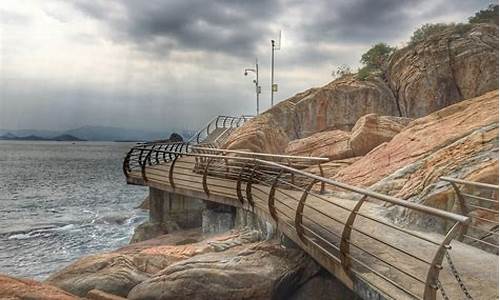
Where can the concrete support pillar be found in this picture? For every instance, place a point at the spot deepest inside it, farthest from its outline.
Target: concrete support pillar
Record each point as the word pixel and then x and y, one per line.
pixel 217 217
pixel 166 207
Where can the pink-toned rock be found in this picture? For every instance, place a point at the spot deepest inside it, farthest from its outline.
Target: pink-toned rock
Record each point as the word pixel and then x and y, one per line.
pixel 332 144
pixel 261 134
pixel 372 130
pixel 475 119
pixel 15 288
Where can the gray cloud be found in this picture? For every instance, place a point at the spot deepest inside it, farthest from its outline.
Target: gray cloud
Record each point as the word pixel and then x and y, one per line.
pixel 230 27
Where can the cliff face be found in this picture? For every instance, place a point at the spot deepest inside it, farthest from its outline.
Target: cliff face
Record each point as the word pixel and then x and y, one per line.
pixel 420 79
pixel 445 69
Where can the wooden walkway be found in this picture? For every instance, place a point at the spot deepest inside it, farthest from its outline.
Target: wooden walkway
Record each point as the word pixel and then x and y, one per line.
pixel 383 256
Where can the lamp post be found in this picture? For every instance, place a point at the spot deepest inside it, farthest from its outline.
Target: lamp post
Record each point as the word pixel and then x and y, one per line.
pixel 274 87
pixel 255 81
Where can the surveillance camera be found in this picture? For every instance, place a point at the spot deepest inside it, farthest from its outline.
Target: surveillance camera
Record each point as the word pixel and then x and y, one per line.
pixel 246 73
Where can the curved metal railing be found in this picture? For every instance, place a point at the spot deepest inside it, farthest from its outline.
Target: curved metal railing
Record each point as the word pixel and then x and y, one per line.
pixel 348 234
pixel 140 155
pixel 479 201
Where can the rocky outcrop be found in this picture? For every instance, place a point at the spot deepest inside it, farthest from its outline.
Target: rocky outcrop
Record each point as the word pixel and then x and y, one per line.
pixel 369 131
pixel 459 141
pixel 422 78
pixel 333 144
pixel 261 134
pixel 14 288
pixel 118 272
pixel 372 130
pixel 338 105
pixel 257 271
pixel 445 69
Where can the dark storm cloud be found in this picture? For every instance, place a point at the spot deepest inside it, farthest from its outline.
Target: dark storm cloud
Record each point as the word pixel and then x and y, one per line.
pixel 369 21
pixel 231 27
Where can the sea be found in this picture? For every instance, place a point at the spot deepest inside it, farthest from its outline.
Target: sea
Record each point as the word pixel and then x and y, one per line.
pixel 60 201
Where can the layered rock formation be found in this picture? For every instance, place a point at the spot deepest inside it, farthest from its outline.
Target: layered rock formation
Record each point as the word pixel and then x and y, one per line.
pixel 368 132
pixel 445 69
pixel 459 141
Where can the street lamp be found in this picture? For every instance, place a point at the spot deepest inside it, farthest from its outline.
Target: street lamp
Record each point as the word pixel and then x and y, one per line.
pixel 255 81
pixel 274 87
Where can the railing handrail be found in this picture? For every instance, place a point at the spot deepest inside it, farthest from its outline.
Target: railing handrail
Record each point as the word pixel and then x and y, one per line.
pixel 467 182
pixel 313 158
pixel 415 206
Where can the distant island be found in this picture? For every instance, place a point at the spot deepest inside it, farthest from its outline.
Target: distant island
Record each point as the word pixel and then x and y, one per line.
pixel 60 138
pixel 91 133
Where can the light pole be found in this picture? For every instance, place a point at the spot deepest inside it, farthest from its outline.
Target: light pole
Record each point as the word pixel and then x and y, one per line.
pixel 274 87
pixel 255 81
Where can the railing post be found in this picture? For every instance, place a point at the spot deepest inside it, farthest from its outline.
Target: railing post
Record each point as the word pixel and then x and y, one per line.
pixel 431 282
pixel 321 173
pixel 238 185
pixel 204 182
pixel 270 201
pixel 126 163
pixel 249 185
pixel 143 165
pixel 300 209
pixel 171 171
pixel 345 248
pixel 463 210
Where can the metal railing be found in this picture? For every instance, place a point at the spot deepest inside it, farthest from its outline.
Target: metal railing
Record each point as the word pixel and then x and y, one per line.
pixel 343 231
pixel 140 155
pixel 479 201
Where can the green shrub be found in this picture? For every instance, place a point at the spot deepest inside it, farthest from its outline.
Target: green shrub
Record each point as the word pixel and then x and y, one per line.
pixel 489 15
pixel 342 70
pixel 377 56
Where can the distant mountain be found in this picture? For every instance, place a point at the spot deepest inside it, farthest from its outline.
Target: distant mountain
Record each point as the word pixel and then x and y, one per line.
pixel 64 137
pixel 92 133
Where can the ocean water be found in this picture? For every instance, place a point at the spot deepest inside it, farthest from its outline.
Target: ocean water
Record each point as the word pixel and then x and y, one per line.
pixel 60 201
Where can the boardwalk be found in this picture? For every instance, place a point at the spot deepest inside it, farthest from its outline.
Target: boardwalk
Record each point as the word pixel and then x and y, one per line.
pixel 391 259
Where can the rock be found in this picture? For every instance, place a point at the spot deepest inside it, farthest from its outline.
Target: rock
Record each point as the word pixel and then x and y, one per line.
pixel 457 141
pixel 257 271
pixel 329 169
pixel 372 130
pixel 149 230
pixel 118 272
pixel 337 105
pixel 445 69
pixel 175 137
pixel 100 295
pixel 15 288
pixel 333 144
pixel 323 286
pixel 261 134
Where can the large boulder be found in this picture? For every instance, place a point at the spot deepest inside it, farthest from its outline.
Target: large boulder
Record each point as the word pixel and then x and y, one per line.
pixel 372 130
pixel 257 271
pixel 261 134
pixel 118 272
pixel 15 288
pixel 444 69
pixel 333 144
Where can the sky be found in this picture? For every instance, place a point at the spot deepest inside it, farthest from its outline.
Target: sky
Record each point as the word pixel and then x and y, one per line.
pixel 175 64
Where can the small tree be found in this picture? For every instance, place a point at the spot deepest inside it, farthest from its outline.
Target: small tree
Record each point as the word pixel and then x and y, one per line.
pixel 377 56
pixel 426 30
pixel 342 71
pixel 489 15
